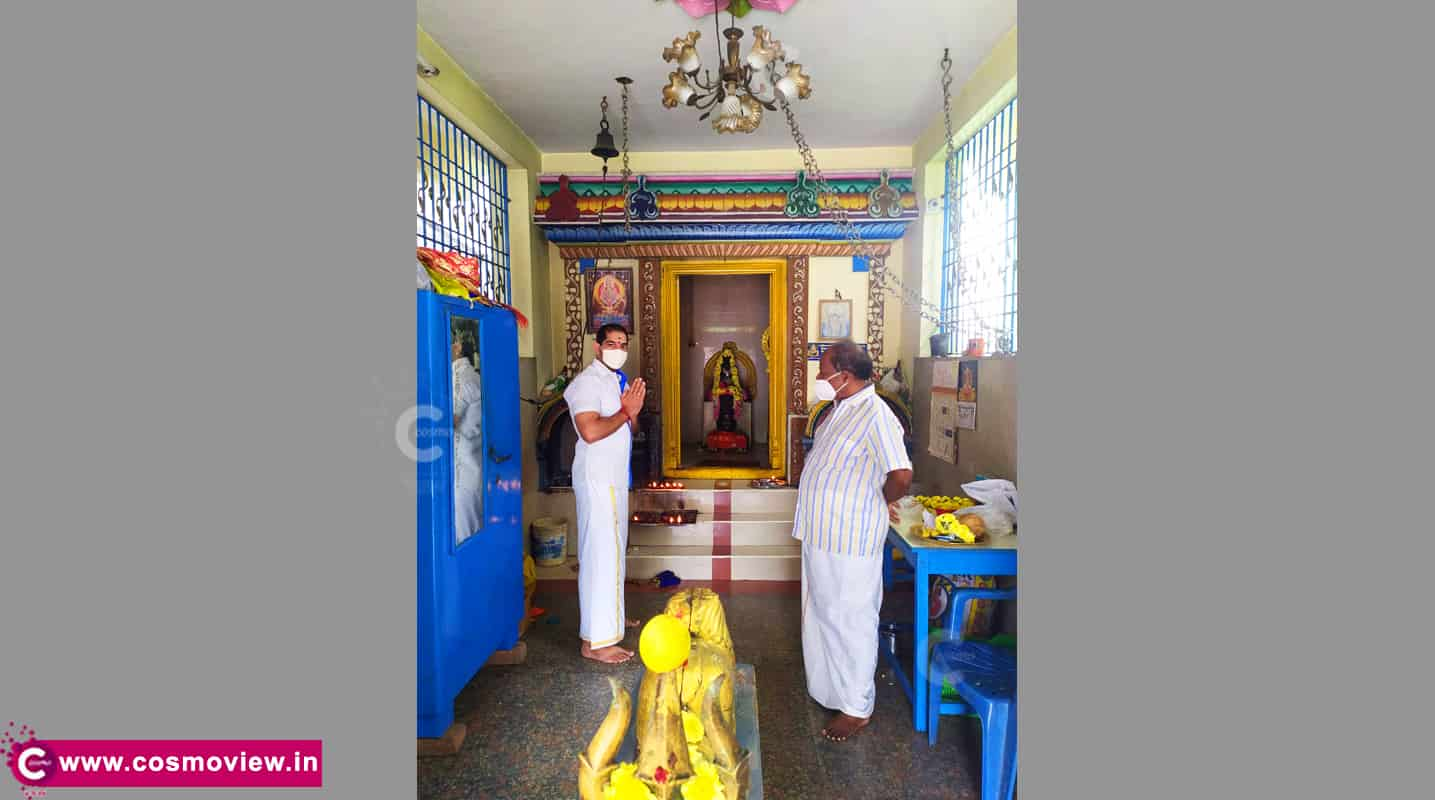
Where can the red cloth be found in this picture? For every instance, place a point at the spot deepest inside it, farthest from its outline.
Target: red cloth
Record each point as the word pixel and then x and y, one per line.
pixel 466 270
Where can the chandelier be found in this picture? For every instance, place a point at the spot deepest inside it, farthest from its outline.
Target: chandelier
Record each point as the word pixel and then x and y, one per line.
pixel 732 99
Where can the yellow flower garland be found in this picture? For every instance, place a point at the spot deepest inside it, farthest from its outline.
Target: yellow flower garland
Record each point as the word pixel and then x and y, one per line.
pixel 705 784
pixel 692 727
pixel 624 785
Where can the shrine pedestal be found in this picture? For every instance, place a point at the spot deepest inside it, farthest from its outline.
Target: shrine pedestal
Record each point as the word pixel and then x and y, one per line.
pixel 726 442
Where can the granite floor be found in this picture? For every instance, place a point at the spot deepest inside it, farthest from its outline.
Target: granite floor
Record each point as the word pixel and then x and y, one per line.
pixel 528 722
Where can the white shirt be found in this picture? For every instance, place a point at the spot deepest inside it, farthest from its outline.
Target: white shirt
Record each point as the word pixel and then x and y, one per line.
pixel 840 506
pixel 468 413
pixel 606 460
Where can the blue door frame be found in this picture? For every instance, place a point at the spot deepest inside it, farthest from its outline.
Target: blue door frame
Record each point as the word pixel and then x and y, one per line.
pixel 470 595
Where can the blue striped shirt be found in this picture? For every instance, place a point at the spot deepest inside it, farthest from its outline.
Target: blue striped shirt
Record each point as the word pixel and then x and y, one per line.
pixel 840 507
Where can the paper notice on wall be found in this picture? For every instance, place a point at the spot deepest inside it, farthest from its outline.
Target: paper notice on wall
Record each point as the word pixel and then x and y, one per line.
pixel 966 416
pixel 944 374
pixel 943 425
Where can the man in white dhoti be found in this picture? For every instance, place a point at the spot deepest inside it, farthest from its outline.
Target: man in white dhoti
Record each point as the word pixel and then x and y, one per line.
pixel 604 416
pixel 467 443
pixel 857 469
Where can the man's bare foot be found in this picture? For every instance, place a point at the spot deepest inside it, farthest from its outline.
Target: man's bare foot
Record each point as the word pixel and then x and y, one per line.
pixel 632 623
pixel 612 654
pixel 843 726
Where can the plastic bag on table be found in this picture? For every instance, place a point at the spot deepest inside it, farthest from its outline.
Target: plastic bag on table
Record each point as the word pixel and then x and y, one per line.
pixel 994 492
pixel 909 517
pixel 997 521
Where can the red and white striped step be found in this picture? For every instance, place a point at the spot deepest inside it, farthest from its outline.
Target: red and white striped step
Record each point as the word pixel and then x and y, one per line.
pixel 742 534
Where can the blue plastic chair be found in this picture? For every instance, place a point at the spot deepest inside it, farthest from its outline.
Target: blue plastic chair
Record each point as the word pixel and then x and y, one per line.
pixel 985 677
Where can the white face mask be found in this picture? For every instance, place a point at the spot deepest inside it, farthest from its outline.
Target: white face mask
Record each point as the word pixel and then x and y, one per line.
pixel 825 390
pixel 615 359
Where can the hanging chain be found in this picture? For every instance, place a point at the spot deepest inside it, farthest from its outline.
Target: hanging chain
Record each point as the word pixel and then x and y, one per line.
pixel 602 195
pixel 911 299
pixel 627 215
pixel 950 171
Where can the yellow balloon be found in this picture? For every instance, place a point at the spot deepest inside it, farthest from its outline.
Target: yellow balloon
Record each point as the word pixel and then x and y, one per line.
pixel 664 643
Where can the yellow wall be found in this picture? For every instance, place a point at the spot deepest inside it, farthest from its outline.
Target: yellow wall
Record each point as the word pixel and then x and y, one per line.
pixel 990 87
pixel 461 99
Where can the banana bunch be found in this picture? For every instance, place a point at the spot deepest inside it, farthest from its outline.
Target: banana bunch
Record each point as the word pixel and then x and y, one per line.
pixel 596 767
pixel 686 728
pixel 943 503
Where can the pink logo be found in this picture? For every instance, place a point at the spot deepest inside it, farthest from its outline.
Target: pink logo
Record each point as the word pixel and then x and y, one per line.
pixel 31 761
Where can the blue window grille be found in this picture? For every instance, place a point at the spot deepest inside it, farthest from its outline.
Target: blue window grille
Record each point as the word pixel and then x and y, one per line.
pixel 979 255
pixel 463 199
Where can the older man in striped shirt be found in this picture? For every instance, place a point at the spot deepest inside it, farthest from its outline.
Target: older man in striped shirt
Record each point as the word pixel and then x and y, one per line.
pixel 857 469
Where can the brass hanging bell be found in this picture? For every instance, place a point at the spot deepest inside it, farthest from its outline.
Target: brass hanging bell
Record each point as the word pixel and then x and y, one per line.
pixel 604 147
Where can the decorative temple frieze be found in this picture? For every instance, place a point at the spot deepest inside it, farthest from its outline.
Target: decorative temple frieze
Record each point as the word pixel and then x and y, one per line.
pixel 712 249
pixel 752 206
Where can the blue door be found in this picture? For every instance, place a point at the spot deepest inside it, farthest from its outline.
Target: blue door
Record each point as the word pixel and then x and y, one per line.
pixel 470 551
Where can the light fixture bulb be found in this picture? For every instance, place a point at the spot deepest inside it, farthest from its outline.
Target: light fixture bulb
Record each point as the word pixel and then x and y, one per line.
pixel 690 62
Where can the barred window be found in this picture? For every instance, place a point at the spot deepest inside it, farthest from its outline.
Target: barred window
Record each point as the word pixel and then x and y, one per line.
pixel 463 199
pixel 979 255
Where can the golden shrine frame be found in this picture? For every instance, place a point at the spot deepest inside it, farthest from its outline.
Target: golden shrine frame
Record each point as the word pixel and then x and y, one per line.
pixel 671 353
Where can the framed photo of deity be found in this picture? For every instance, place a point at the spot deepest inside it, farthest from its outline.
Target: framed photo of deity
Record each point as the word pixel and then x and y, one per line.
pixel 967 395
pixel 610 298
pixel 834 320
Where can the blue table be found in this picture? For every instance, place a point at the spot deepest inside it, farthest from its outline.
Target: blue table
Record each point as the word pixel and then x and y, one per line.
pixel 996 556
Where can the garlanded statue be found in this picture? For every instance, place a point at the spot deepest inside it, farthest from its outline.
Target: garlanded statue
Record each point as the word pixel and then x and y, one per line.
pixel 727 391
pixel 686 729
pixel 727 395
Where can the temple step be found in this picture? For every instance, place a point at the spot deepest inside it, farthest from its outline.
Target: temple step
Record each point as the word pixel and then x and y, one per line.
pixel 741 530
pixel 741 533
pixel 707 500
pixel 695 563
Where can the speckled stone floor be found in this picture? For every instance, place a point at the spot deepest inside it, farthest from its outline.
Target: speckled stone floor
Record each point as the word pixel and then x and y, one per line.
pixel 530 721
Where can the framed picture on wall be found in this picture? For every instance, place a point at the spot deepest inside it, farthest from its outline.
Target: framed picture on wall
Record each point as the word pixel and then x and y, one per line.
pixel 610 298
pixel 834 320
pixel 967 396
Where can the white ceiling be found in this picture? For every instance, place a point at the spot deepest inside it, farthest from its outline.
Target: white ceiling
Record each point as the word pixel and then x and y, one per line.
pixel 875 65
